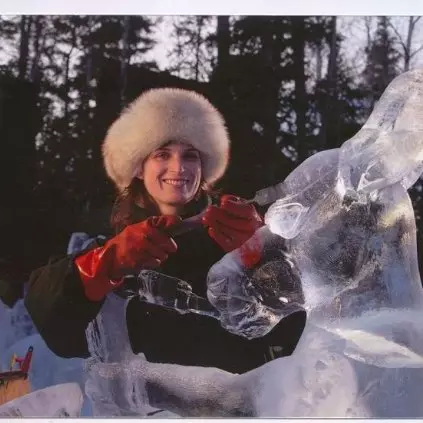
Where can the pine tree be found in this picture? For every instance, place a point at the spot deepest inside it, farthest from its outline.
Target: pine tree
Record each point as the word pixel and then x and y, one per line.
pixel 193 55
pixel 382 61
pixel 336 112
pixel 66 57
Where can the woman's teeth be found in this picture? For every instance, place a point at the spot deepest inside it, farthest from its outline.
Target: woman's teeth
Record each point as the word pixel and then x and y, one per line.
pixel 176 182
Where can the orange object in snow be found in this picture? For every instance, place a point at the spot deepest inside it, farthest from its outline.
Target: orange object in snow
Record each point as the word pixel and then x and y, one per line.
pixel 25 362
pixel 14 383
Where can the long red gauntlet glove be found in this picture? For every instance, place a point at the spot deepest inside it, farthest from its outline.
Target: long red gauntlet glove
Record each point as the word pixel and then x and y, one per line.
pixel 232 224
pixel 142 245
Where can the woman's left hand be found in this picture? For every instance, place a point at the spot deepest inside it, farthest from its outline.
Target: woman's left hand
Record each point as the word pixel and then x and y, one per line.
pixel 232 223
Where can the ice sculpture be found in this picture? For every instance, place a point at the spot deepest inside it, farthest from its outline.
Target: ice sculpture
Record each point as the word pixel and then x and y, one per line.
pixel 112 387
pixel 347 227
pixel 63 400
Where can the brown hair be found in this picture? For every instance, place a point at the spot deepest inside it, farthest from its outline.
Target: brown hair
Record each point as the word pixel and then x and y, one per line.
pixel 123 212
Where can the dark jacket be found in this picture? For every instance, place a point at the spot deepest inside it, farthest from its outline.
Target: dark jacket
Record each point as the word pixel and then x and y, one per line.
pixel 61 312
pixel 11 292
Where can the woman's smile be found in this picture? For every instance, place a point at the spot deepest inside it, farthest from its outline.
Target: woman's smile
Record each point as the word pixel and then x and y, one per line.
pixel 176 182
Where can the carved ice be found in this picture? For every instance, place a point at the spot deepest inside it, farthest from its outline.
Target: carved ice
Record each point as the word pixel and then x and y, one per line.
pixel 346 228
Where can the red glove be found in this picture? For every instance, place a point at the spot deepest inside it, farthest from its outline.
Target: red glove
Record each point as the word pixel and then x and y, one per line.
pixel 141 245
pixel 233 223
pixel 250 252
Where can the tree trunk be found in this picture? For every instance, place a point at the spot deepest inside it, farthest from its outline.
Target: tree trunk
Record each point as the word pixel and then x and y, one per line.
pixel 368 24
pixel 25 27
pixel 333 55
pixel 408 53
pixel 298 38
pixel 67 69
pixel 319 61
pixel 407 44
pixel 124 59
pixel 198 41
pixel 329 111
pixel 221 73
pixel 271 85
pixel 223 42
pixel 34 75
pixel 385 22
pixel 89 66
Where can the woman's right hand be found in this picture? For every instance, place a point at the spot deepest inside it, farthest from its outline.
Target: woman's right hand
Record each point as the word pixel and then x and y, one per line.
pixel 144 245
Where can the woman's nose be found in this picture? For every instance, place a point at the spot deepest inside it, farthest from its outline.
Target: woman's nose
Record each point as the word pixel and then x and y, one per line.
pixel 177 164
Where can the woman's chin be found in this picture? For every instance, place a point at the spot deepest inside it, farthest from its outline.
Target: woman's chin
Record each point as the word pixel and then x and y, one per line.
pixel 179 201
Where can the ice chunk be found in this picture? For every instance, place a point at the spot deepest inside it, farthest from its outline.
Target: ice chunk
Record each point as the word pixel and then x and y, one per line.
pixel 324 378
pixel 63 400
pixel 158 288
pixel 389 147
pixel 252 301
pixel 198 390
pixel 377 350
pixel 111 392
pixel 305 186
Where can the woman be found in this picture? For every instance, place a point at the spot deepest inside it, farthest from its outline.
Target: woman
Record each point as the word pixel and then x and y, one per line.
pixel 163 154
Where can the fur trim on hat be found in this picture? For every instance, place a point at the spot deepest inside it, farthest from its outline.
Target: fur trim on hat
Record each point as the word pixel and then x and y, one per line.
pixel 157 117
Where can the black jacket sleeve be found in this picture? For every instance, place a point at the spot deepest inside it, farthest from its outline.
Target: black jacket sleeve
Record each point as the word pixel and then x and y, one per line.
pixel 11 292
pixel 59 308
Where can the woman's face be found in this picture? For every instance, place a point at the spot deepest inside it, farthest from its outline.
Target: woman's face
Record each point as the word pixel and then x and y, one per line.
pixel 172 176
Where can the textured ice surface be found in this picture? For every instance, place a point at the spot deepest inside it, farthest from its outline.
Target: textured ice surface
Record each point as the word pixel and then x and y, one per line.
pixel 63 400
pixel 112 386
pixel 336 373
pixel 252 301
pixel 157 288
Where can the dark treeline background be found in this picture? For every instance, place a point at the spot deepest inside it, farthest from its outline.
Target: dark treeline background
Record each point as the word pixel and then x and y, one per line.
pixel 284 84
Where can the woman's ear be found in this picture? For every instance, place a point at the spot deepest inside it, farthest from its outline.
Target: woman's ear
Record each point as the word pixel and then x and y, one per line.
pixel 139 172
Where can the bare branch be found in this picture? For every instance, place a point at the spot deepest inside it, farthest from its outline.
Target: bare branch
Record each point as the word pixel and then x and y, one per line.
pixel 398 35
pixel 416 51
pixel 407 55
pixel 367 22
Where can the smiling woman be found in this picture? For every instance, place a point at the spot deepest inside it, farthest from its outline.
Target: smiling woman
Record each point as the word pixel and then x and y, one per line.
pixel 164 153
pixel 172 176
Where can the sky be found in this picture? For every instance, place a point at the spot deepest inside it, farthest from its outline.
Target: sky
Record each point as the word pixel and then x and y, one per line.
pixel 352 27
pixel 231 7
pixel 351 24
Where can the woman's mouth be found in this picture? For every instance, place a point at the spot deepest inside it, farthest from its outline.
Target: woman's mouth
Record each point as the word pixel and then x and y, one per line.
pixel 176 182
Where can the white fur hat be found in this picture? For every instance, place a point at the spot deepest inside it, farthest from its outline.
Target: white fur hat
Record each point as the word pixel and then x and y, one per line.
pixel 157 117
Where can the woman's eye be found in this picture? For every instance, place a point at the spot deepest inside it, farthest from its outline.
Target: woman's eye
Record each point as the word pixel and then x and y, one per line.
pixel 161 155
pixel 192 156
